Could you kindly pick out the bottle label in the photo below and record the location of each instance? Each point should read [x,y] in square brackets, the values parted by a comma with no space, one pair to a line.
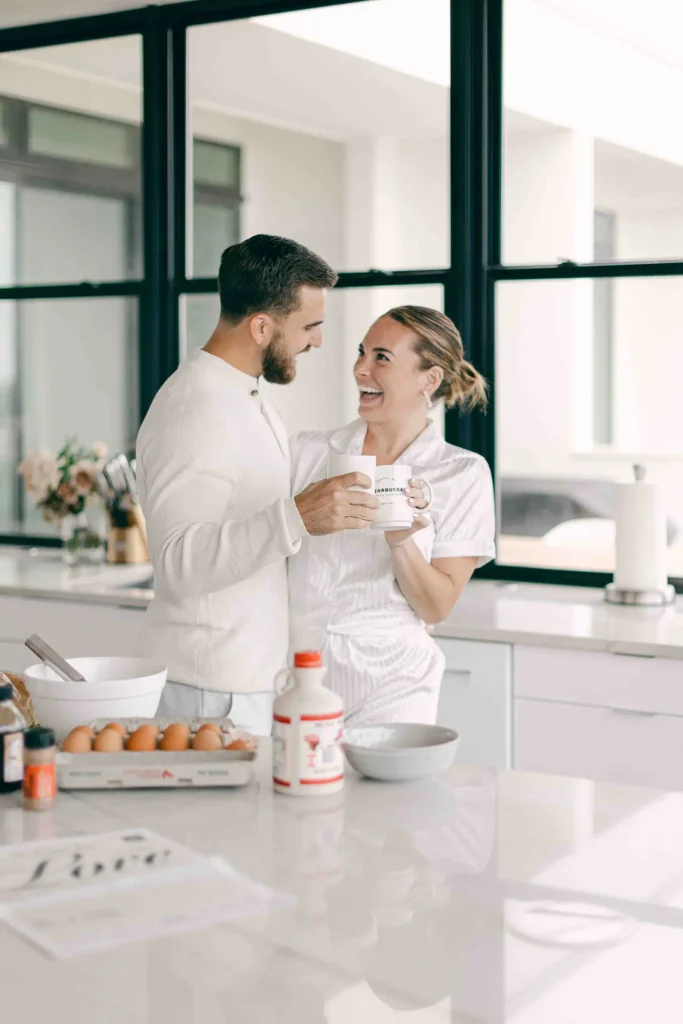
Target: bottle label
[282,751]
[314,741]
[40,781]
[12,756]
[320,755]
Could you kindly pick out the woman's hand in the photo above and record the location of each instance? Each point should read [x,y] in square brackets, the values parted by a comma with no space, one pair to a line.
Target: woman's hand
[417,499]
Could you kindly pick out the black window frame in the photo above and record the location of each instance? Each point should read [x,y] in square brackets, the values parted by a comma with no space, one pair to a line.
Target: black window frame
[475,145]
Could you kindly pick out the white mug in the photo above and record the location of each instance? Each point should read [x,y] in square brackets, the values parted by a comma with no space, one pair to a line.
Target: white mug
[395,511]
[338,464]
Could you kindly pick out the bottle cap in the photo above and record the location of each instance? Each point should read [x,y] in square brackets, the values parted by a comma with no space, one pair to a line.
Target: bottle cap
[308,659]
[38,738]
[6,691]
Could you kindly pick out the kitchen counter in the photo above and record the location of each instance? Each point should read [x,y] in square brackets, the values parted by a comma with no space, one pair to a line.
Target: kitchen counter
[40,572]
[570,617]
[480,897]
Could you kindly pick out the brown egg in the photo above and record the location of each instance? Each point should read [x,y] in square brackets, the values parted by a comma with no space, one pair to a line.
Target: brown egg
[144,738]
[109,741]
[212,726]
[206,739]
[84,729]
[117,727]
[77,742]
[240,744]
[176,737]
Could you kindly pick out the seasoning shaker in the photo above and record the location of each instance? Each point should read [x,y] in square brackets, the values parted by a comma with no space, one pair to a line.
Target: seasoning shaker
[12,725]
[40,777]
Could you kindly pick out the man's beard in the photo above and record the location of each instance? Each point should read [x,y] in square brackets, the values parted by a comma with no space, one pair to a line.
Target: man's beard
[279,367]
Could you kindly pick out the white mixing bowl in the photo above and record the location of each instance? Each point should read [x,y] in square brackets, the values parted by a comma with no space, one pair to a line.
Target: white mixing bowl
[400,752]
[115,688]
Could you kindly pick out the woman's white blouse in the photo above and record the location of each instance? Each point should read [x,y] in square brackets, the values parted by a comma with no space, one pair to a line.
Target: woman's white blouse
[344,583]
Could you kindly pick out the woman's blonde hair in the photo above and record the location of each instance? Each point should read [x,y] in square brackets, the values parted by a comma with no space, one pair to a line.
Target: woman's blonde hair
[439,344]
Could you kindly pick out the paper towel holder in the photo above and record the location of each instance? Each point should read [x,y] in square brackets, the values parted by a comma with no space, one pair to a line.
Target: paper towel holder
[640,598]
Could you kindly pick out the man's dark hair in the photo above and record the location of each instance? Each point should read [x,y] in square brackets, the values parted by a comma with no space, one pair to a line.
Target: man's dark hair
[264,273]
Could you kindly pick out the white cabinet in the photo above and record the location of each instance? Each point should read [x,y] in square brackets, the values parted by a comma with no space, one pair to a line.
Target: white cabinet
[609,744]
[476,698]
[598,715]
[599,679]
[73,628]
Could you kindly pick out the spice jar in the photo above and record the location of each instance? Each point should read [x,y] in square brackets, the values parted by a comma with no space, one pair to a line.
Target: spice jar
[12,727]
[40,778]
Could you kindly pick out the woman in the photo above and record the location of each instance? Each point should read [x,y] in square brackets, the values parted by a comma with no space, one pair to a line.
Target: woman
[364,596]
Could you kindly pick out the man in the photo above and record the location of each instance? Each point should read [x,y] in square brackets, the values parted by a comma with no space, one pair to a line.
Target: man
[214,480]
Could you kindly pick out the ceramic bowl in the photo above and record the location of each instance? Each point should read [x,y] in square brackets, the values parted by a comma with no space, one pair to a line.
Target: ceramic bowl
[400,752]
[115,688]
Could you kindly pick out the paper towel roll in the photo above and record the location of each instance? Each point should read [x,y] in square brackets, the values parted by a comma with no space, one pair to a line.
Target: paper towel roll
[640,562]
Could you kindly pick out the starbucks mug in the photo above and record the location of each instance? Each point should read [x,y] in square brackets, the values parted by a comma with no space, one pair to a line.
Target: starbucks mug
[338,464]
[395,511]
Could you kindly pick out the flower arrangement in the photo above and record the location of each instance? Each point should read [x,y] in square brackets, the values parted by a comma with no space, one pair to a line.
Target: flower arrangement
[61,485]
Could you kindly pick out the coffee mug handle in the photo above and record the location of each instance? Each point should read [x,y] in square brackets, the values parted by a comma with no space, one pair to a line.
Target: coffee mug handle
[429,495]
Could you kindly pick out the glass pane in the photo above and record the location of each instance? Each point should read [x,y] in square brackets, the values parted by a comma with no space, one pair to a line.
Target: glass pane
[344,131]
[215,228]
[577,361]
[216,165]
[77,137]
[68,367]
[324,394]
[77,207]
[49,216]
[592,122]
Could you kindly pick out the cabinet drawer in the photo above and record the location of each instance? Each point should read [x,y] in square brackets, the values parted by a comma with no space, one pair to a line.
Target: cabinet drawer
[599,743]
[600,680]
[476,699]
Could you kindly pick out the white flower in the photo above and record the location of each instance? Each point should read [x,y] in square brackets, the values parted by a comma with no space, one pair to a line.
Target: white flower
[83,476]
[40,473]
[100,450]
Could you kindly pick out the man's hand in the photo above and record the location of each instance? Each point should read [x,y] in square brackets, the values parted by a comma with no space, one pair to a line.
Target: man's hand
[329,506]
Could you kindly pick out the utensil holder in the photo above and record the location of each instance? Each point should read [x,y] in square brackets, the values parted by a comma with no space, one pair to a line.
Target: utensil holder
[126,546]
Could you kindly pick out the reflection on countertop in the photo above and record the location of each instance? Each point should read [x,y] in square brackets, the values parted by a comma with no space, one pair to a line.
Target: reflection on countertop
[575,617]
[480,897]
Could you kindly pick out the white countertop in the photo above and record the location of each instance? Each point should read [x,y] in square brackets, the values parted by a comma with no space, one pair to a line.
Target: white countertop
[575,617]
[446,901]
[41,573]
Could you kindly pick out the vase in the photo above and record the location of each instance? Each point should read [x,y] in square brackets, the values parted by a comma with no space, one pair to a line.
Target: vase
[81,544]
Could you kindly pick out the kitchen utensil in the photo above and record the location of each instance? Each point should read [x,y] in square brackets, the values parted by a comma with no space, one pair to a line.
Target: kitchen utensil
[117,688]
[56,662]
[400,752]
[128,476]
[113,473]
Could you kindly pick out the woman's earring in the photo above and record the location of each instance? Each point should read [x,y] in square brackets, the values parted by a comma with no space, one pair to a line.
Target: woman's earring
[428,399]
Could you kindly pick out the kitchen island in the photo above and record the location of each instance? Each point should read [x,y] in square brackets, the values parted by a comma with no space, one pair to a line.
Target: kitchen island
[482,897]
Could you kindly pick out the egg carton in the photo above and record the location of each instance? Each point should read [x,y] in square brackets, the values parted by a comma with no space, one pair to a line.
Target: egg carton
[159,769]
[194,724]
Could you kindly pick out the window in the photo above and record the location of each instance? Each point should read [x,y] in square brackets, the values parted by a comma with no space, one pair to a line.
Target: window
[71,212]
[62,134]
[344,130]
[104,285]
[587,293]
[216,209]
